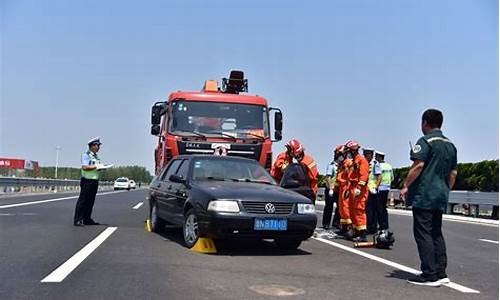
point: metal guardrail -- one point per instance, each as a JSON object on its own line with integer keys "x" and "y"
{"x": 11, "y": 185}
{"x": 472, "y": 200}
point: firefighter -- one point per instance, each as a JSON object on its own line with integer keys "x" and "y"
{"x": 295, "y": 151}
{"x": 358, "y": 190}
{"x": 342, "y": 185}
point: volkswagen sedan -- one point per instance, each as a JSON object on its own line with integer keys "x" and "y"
{"x": 223, "y": 197}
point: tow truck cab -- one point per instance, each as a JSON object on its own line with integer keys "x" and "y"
{"x": 216, "y": 120}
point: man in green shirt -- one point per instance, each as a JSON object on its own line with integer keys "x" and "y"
{"x": 427, "y": 187}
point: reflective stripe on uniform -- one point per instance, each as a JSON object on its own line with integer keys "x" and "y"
{"x": 438, "y": 138}
{"x": 345, "y": 221}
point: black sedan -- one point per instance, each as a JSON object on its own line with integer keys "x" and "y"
{"x": 222, "y": 197}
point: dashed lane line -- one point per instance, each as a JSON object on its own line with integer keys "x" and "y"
{"x": 67, "y": 267}
{"x": 49, "y": 200}
{"x": 489, "y": 241}
{"x": 401, "y": 267}
{"x": 138, "y": 205}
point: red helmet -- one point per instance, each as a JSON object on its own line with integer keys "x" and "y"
{"x": 295, "y": 147}
{"x": 352, "y": 145}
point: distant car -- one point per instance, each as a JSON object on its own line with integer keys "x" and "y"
{"x": 132, "y": 184}
{"x": 223, "y": 197}
{"x": 122, "y": 183}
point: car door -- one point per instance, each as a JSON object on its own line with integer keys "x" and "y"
{"x": 180, "y": 190}
{"x": 164, "y": 186}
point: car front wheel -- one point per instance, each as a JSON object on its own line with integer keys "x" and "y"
{"x": 190, "y": 229}
{"x": 288, "y": 244}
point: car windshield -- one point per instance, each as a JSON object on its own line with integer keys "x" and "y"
{"x": 219, "y": 119}
{"x": 122, "y": 180}
{"x": 230, "y": 170}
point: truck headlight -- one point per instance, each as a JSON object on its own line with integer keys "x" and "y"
{"x": 230, "y": 206}
{"x": 306, "y": 208}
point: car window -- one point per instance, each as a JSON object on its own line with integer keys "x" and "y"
{"x": 172, "y": 168}
{"x": 183, "y": 169}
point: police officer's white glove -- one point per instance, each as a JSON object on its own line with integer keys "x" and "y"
{"x": 330, "y": 192}
{"x": 373, "y": 191}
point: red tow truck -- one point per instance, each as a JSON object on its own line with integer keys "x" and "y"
{"x": 218, "y": 120}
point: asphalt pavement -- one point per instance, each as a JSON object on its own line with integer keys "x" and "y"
{"x": 42, "y": 256}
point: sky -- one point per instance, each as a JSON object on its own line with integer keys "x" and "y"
{"x": 339, "y": 70}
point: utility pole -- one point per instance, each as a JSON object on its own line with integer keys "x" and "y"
{"x": 58, "y": 148}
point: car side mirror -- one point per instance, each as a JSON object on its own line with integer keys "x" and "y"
{"x": 177, "y": 179}
{"x": 155, "y": 129}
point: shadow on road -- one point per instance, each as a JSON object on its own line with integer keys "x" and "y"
{"x": 236, "y": 247}
{"x": 398, "y": 274}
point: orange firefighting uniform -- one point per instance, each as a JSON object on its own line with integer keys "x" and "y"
{"x": 283, "y": 160}
{"x": 342, "y": 188}
{"x": 358, "y": 179}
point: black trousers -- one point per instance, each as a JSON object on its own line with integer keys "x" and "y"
{"x": 376, "y": 212}
{"x": 430, "y": 242}
{"x": 382, "y": 215}
{"x": 371, "y": 213}
{"x": 328, "y": 210}
{"x": 85, "y": 203}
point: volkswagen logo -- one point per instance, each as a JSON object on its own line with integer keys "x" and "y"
{"x": 270, "y": 209}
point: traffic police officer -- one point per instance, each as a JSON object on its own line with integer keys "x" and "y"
{"x": 427, "y": 188}
{"x": 89, "y": 183}
{"x": 383, "y": 189}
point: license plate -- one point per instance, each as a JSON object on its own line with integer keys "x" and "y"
{"x": 270, "y": 224}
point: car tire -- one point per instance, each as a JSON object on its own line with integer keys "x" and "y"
{"x": 157, "y": 223}
{"x": 115, "y": 189}
{"x": 190, "y": 230}
{"x": 287, "y": 244}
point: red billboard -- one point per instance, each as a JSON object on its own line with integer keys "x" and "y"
{"x": 14, "y": 163}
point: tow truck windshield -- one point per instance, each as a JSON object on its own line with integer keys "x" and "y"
{"x": 217, "y": 119}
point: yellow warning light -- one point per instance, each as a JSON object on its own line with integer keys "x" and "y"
{"x": 211, "y": 86}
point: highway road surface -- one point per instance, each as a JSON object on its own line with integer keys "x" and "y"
{"x": 42, "y": 256}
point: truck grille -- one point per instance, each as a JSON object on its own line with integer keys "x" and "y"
{"x": 255, "y": 207}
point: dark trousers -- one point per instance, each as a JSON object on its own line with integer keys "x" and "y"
{"x": 382, "y": 215}
{"x": 327, "y": 211}
{"x": 430, "y": 242}
{"x": 85, "y": 203}
{"x": 376, "y": 212}
{"x": 371, "y": 213}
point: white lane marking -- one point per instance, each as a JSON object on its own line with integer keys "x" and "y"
{"x": 401, "y": 267}
{"x": 138, "y": 205}
{"x": 49, "y": 200}
{"x": 489, "y": 241}
{"x": 67, "y": 267}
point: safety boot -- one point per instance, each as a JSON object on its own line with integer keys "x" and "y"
{"x": 360, "y": 237}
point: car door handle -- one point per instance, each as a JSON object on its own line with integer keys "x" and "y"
{"x": 158, "y": 185}
{"x": 169, "y": 187}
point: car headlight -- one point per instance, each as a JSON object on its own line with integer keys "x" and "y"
{"x": 304, "y": 208}
{"x": 224, "y": 206}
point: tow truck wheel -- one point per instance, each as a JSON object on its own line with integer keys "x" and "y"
{"x": 190, "y": 229}
{"x": 157, "y": 223}
{"x": 287, "y": 244}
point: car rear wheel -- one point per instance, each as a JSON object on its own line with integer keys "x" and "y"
{"x": 190, "y": 229}
{"x": 157, "y": 223}
{"x": 287, "y": 244}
